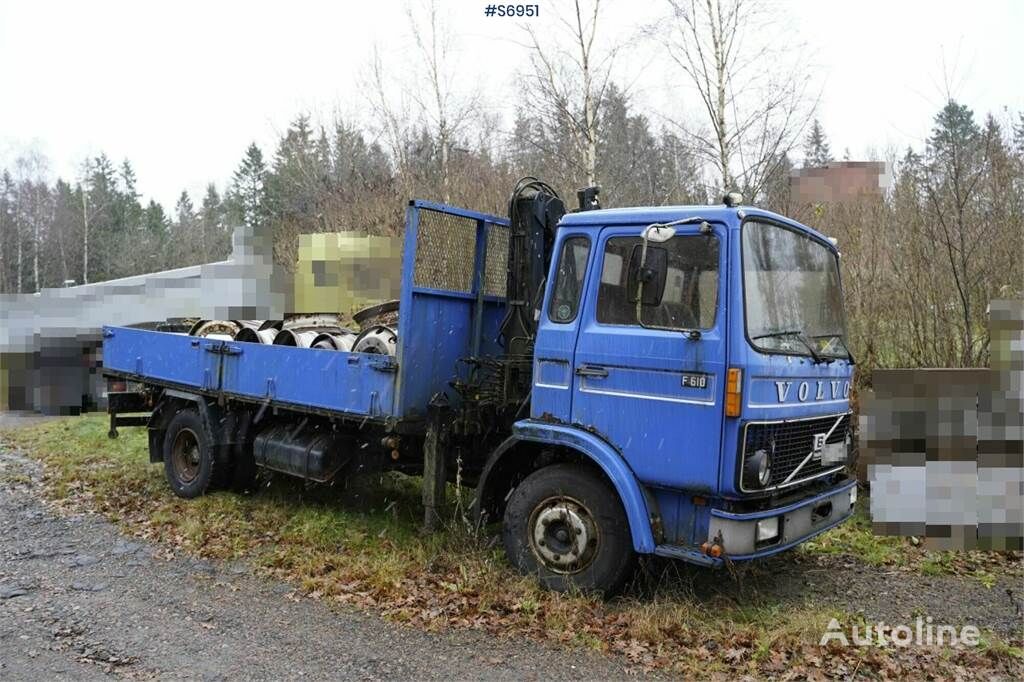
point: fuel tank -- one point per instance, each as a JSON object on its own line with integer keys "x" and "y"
{"x": 315, "y": 455}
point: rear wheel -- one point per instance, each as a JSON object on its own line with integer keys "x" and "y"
{"x": 565, "y": 524}
{"x": 189, "y": 462}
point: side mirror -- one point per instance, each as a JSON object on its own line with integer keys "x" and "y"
{"x": 648, "y": 274}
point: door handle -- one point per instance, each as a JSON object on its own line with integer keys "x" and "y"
{"x": 591, "y": 371}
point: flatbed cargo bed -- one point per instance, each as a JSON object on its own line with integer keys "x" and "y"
{"x": 332, "y": 382}
{"x": 450, "y": 306}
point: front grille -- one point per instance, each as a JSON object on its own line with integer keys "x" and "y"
{"x": 789, "y": 443}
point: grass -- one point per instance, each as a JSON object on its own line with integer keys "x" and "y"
{"x": 856, "y": 538}
{"x": 362, "y": 546}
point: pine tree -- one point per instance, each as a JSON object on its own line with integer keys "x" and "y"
{"x": 956, "y": 160}
{"x": 184, "y": 248}
{"x": 816, "y": 149}
{"x": 129, "y": 210}
{"x": 1018, "y": 134}
{"x": 62, "y": 252}
{"x": 100, "y": 259}
{"x": 356, "y": 166}
{"x": 184, "y": 211}
{"x": 954, "y": 134}
{"x": 297, "y": 181}
{"x": 681, "y": 173}
{"x": 154, "y": 219}
{"x": 248, "y": 194}
{"x": 626, "y": 153}
{"x": 215, "y": 239}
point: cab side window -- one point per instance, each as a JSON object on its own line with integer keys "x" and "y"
{"x": 572, "y": 266}
{"x": 690, "y": 296}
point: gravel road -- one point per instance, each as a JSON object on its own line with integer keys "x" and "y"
{"x": 80, "y": 601}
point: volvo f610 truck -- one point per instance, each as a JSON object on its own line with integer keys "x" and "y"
{"x": 614, "y": 382}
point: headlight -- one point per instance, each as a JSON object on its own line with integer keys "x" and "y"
{"x": 767, "y": 530}
{"x": 757, "y": 469}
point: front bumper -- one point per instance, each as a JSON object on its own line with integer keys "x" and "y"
{"x": 798, "y": 522}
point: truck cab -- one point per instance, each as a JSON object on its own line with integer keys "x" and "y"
{"x": 693, "y": 360}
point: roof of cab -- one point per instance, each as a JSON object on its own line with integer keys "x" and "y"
{"x": 665, "y": 214}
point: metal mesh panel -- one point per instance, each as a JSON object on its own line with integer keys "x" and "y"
{"x": 445, "y": 252}
{"x": 496, "y": 260}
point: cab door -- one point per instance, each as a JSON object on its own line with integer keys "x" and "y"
{"x": 650, "y": 378}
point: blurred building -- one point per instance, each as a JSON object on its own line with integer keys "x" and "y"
{"x": 50, "y": 341}
{"x": 840, "y": 182}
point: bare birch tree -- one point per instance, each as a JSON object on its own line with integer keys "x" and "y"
{"x": 32, "y": 207}
{"x": 572, "y": 74}
{"x": 432, "y": 97}
{"x": 754, "y": 91}
{"x": 391, "y": 113}
{"x": 447, "y": 110}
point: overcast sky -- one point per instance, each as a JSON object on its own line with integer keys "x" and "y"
{"x": 180, "y": 88}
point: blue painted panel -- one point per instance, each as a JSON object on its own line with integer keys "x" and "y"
{"x": 436, "y": 327}
{"x": 784, "y": 384}
{"x": 354, "y": 383}
{"x": 684, "y": 523}
{"x": 762, "y": 371}
{"x": 668, "y": 432}
{"x": 434, "y": 334}
{"x": 555, "y": 347}
{"x": 175, "y": 358}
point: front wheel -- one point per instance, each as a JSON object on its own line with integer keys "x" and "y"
{"x": 565, "y": 524}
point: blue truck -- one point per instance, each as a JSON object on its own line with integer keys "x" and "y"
{"x": 615, "y": 382}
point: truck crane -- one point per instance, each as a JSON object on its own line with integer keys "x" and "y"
{"x": 618, "y": 382}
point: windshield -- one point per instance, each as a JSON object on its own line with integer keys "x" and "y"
{"x": 792, "y": 295}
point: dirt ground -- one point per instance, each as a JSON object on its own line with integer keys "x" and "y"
{"x": 80, "y": 601}
{"x": 891, "y": 595}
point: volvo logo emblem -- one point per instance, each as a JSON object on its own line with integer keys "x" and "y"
{"x": 832, "y": 389}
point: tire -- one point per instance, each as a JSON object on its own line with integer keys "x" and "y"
{"x": 565, "y": 524}
{"x": 189, "y": 462}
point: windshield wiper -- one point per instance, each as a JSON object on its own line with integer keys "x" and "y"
{"x": 796, "y": 334}
{"x": 846, "y": 346}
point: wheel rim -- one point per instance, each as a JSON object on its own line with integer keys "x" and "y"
{"x": 185, "y": 456}
{"x": 564, "y": 535}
